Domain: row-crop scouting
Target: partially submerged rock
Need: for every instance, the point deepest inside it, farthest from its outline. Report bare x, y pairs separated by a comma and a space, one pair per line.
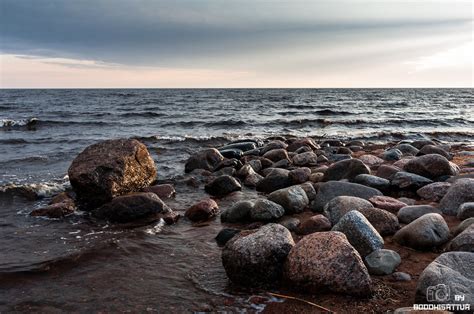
202, 210
223, 185
206, 159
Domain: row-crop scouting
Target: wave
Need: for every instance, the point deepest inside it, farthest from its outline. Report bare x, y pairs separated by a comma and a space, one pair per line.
145, 114
13, 141
11, 123
35, 190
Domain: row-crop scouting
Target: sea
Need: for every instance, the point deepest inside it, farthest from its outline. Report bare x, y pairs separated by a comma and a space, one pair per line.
76, 265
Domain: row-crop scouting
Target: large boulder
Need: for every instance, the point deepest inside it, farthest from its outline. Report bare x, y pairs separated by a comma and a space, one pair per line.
332, 189
409, 213
449, 275
257, 258
463, 241
111, 168
427, 232
360, 233
222, 186
293, 199
382, 262
265, 210
461, 191
345, 169
326, 260
131, 207
431, 166
206, 159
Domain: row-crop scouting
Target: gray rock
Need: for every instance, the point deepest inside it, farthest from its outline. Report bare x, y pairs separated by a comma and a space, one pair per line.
382, 262
432, 149
345, 169
275, 180
408, 214
223, 185
273, 145
341, 205
276, 154
420, 143
290, 223
424, 233
293, 199
299, 175
207, 159
387, 171
406, 180
372, 181
252, 180
434, 191
265, 210
392, 154
332, 189
307, 159
371, 160
400, 276
257, 258
431, 166
463, 226
360, 233
461, 191
407, 149
464, 241
453, 272
466, 210
309, 190
240, 211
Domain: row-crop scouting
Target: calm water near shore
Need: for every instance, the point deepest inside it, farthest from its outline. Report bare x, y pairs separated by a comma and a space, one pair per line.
79, 265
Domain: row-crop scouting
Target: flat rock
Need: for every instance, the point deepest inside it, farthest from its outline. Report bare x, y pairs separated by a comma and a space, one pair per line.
316, 223
326, 260
372, 181
434, 191
345, 169
461, 191
382, 262
239, 211
431, 166
407, 180
302, 142
265, 210
408, 214
293, 199
202, 210
223, 185
388, 203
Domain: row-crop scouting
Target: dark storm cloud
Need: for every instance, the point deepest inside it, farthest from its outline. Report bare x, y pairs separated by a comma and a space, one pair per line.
192, 33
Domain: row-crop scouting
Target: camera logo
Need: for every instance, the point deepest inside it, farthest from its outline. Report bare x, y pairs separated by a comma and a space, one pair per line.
438, 293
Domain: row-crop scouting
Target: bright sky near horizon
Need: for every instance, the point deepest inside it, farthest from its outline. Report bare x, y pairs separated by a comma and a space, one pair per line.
211, 43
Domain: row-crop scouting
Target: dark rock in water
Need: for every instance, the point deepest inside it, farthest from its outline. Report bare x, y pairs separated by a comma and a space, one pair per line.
388, 203
382, 262
387, 171
408, 214
225, 235
316, 223
109, 169
431, 166
427, 232
243, 146
222, 186
434, 191
275, 180
307, 159
466, 211
419, 144
360, 233
162, 190
372, 181
290, 223
63, 197
331, 189
449, 275
300, 175
276, 154
345, 169
407, 149
461, 191
170, 217
326, 260
293, 199
298, 143
257, 258
240, 211
392, 154
273, 145
464, 241
131, 207
207, 159
57, 210
265, 210
407, 180
202, 211
226, 163
231, 153
432, 149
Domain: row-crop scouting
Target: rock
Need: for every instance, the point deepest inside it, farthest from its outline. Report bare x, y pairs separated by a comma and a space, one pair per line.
360, 233
400, 276
408, 214
303, 149
431, 166
225, 235
383, 221
316, 177
56, 210
464, 241
62, 197
450, 274
420, 143
461, 191
203, 210
308, 142
345, 169
371, 160
111, 168
265, 210
387, 171
131, 207
326, 260
275, 180
162, 190
402, 162
231, 153
273, 145
332, 143
372, 181
300, 175
276, 155
407, 149
252, 180
206, 159
243, 146
227, 171
290, 223
245, 171
466, 211
170, 217
240, 211
257, 258
382, 262
293, 199
344, 150
316, 223
341, 205
332, 189
309, 190
406, 180
463, 226
434, 191
256, 165
222, 186
322, 159
392, 154
408, 201
424, 233
307, 159
432, 149
388, 203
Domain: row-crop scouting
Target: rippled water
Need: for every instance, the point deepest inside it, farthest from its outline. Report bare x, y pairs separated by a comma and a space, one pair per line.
78, 264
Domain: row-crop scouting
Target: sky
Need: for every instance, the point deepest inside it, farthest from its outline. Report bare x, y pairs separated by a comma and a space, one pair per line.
246, 43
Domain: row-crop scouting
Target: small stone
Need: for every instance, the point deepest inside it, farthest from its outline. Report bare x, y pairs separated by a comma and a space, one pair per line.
207, 159
276, 154
300, 175
464, 241
265, 210
303, 142
203, 210
345, 169
56, 210
371, 160
222, 186
392, 154
162, 190
273, 145
407, 149
408, 214
293, 199
388, 203
434, 191
307, 159
308, 188
382, 262
372, 181
461, 191
240, 211
463, 226
432, 149
400, 276
313, 224
406, 180
290, 223
387, 171
225, 235
275, 180
252, 180
420, 143
336, 208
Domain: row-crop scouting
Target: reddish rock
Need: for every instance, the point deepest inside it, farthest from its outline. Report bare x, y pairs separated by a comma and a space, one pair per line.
57, 210
299, 175
387, 171
387, 203
203, 210
431, 166
371, 160
316, 223
298, 143
162, 190
434, 191
276, 154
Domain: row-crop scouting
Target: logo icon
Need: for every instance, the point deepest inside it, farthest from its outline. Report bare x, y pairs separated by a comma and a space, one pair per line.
438, 293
